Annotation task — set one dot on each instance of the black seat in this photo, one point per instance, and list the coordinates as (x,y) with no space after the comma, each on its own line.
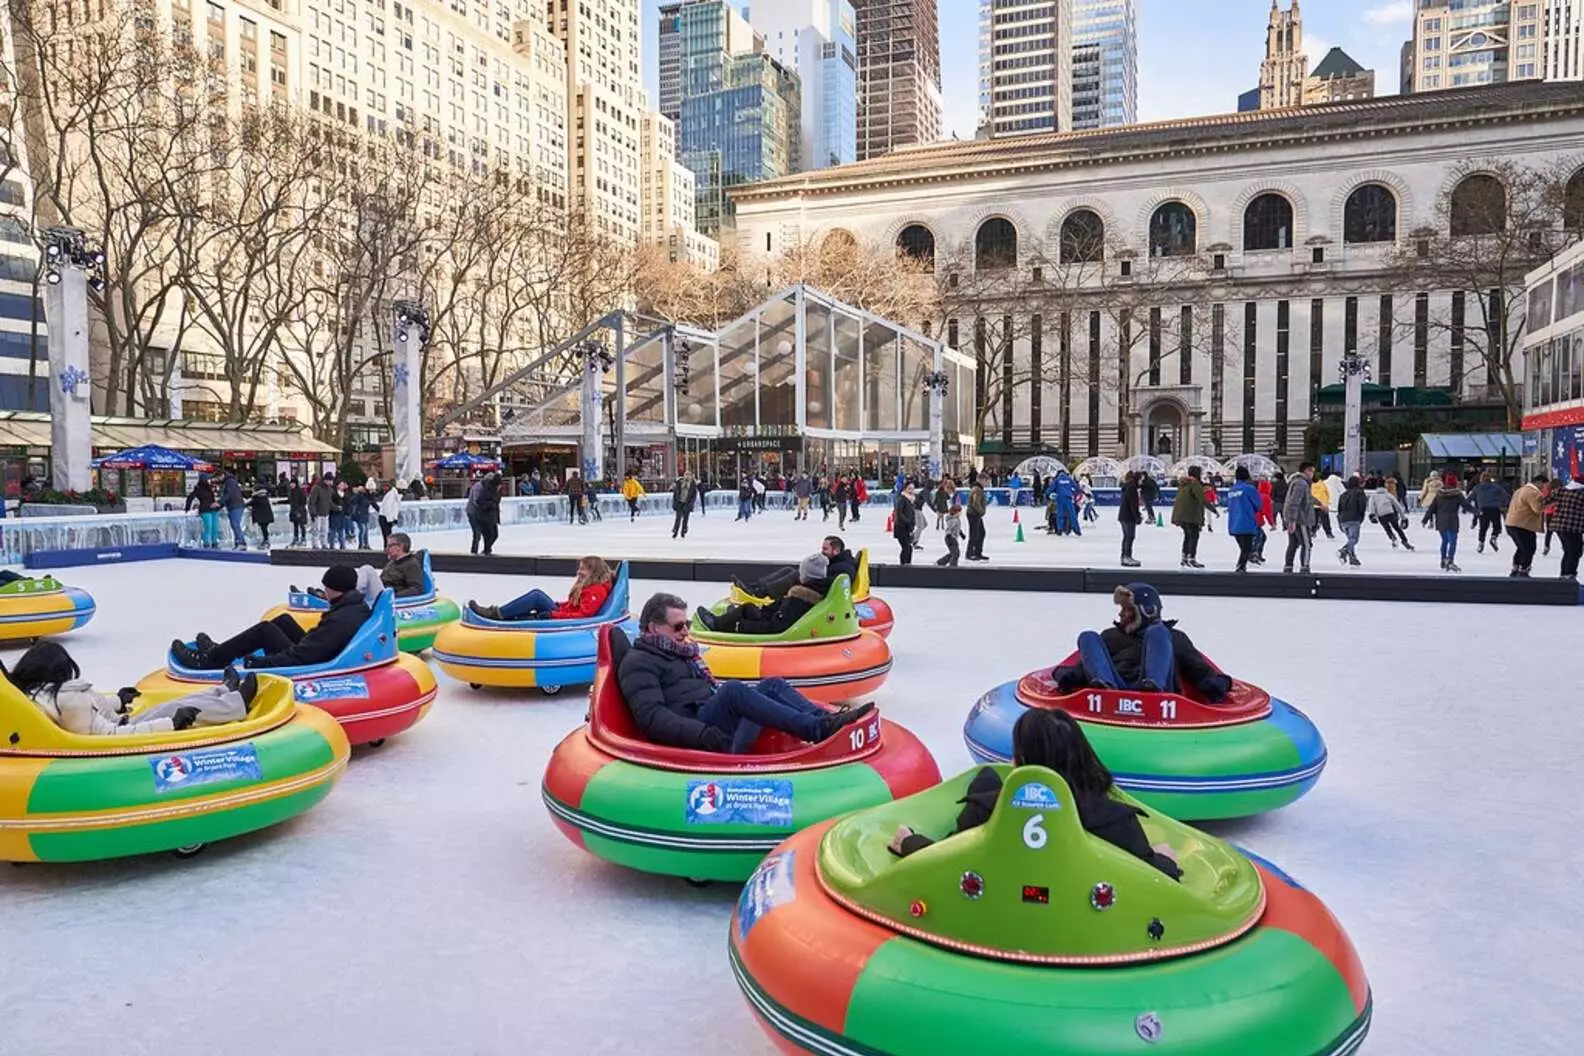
(618,647)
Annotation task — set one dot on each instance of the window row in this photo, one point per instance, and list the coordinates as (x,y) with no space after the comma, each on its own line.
(1478,206)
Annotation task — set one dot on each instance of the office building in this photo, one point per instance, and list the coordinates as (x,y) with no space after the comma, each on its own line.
(1104,63)
(899,75)
(1025,67)
(702,30)
(817,38)
(669,197)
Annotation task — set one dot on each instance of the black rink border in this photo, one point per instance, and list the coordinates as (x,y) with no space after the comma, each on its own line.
(1476,590)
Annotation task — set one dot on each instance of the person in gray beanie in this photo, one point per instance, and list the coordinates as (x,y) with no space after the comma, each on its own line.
(778,617)
(281,642)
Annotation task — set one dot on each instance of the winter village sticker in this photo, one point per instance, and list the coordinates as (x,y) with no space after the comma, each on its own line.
(770,886)
(739,803)
(341,687)
(203,768)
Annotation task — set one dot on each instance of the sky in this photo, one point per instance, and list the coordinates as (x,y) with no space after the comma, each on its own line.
(1195,56)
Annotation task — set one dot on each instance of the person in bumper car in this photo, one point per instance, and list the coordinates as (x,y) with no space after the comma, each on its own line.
(403,571)
(283,642)
(589,590)
(676,701)
(1052,739)
(840,562)
(1140,651)
(49,677)
(813,575)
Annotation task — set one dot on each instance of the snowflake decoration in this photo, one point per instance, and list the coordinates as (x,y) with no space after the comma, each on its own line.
(401,375)
(71,378)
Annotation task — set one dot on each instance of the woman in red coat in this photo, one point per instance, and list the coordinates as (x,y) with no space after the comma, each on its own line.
(1267,510)
(589,591)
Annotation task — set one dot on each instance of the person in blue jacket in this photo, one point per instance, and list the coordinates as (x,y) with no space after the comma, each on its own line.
(1065,489)
(235,504)
(1243,506)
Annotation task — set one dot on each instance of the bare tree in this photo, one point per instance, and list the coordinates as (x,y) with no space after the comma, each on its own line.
(1500,220)
(117,147)
(253,238)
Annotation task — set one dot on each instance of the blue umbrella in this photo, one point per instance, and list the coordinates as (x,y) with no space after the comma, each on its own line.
(464,460)
(151,456)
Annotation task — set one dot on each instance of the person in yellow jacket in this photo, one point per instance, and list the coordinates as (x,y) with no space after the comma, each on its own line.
(1322,500)
(632,491)
(1427,496)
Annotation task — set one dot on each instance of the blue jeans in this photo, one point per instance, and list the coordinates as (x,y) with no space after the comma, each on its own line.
(533,604)
(234,513)
(1351,531)
(1160,665)
(362,534)
(1449,544)
(338,531)
(744,509)
(742,709)
(210,520)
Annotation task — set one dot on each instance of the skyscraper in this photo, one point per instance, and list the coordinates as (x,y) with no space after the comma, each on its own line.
(817,39)
(1025,67)
(1285,67)
(739,110)
(899,75)
(606,102)
(1105,63)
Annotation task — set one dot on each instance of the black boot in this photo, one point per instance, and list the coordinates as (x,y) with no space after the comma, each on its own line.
(833,722)
(187,656)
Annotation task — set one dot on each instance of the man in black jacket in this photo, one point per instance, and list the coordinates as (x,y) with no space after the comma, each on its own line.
(840,561)
(1143,652)
(781,614)
(676,701)
(683,494)
(904,515)
(283,642)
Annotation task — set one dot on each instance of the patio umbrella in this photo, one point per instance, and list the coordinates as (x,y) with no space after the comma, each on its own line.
(464,460)
(151,456)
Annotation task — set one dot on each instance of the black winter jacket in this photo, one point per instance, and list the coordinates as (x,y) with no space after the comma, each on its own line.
(792,607)
(328,637)
(1449,504)
(906,516)
(1109,819)
(203,496)
(1352,505)
(664,693)
(843,564)
(297,504)
(1130,512)
(263,513)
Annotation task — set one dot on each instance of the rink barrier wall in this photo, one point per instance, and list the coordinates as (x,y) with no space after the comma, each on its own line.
(33,537)
(1479,590)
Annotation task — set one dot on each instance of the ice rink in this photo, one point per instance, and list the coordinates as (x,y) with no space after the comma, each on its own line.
(429,906)
(774,533)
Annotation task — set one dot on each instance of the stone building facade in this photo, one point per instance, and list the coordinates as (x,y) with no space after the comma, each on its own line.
(1187,286)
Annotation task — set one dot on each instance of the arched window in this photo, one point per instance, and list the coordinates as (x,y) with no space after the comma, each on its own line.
(995,245)
(918,242)
(1479,206)
(1370,215)
(1173,231)
(1082,237)
(1573,202)
(1268,223)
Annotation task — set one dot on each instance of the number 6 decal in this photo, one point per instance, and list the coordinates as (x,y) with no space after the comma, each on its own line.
(1034,835)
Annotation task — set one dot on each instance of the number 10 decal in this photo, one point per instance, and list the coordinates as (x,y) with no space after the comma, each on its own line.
(859,736)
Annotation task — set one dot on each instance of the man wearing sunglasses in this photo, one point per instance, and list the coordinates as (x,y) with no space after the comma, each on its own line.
(676,701)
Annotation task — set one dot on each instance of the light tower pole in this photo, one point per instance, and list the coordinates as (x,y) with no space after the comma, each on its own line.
(1354,370)
(597,362)
(409,335)
(71,267)
(937,383)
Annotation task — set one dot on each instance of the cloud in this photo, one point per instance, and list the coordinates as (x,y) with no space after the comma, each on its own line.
(1393,13)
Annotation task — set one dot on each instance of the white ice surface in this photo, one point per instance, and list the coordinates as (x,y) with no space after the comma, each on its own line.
(428,905)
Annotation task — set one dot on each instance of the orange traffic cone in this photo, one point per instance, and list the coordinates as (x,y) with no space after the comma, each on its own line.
(890,522)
